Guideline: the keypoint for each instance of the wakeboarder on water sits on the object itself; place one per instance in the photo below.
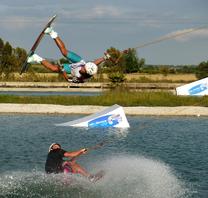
(56, 164)
(78, 71)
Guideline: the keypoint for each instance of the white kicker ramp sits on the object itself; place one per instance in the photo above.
(196, 88)
(113, 116)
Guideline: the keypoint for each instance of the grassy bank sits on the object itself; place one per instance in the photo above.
(120, 97)
(134, 77)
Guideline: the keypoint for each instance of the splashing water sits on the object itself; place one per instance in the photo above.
(126, 176)
(130, 176)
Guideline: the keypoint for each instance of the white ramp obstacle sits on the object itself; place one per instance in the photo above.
(113, 116)
(196, 88)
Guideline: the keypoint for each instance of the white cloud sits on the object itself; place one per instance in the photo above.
(92, 13)
(103, 11)
(19, 22)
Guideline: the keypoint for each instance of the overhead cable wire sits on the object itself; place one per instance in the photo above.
(170, 36)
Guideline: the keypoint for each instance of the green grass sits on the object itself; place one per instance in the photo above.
(121, 97)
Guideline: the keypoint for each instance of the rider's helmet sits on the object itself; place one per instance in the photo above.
(52, 145)
(91, 68)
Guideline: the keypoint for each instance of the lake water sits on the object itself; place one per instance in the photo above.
(158, 157)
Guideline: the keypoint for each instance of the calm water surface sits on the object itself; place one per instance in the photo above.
(158, 157)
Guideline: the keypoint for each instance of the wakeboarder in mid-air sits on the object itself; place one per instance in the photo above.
(77, 71)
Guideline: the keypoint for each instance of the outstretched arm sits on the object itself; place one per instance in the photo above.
(75, 153)
(99, 60)
(102, 59)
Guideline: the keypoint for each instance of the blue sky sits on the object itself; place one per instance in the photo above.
(89, 27)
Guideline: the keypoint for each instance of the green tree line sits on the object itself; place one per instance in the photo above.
(11, 58)
(121, 63)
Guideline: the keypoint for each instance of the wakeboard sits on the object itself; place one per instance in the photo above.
(25, 65)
